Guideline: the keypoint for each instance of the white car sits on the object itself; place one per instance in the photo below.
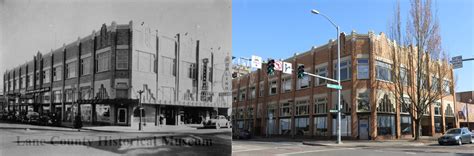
(218, 122)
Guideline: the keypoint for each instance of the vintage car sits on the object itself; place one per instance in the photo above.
(218, 122)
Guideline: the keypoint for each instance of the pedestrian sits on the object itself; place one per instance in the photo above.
(161, 119)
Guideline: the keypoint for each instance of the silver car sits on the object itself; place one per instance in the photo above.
(456, 136)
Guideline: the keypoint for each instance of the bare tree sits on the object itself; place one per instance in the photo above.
(420, 53)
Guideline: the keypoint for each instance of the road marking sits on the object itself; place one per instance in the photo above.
(323, 150)
(410, 153)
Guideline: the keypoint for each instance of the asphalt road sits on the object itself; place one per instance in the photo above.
(244, 148)
(70, 142)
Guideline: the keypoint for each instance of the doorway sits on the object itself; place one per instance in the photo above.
(364, 129)
(122, 116)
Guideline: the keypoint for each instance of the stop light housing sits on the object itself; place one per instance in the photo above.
(271, 67)
(301, 71)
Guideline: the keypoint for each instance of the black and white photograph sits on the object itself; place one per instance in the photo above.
(115, 77)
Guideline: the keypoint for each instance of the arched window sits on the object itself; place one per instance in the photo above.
(385, 105)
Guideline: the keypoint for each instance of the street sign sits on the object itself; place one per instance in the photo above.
(256, 62)
(457, 62)
(287, 69)
(333, 111)
(334, 86)
(279, 65)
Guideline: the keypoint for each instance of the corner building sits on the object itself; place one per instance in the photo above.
(100, 75)
(281, 105)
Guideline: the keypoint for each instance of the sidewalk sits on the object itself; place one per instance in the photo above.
(373, 143)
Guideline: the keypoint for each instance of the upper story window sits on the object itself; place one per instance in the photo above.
(261, 91)
(57, 96)
(242, 94)
(285, 109)
(46, 76)
(273, 87)
(146, 62)
(169, 66)
(252, 92)
(385, 105)
(30, 80)
(23, 82)
(286, 84)
(192, 71)
(437, 108)
(302, 107)
(404, 76)
(405, 105)
(57, 73)
(320, 105)
(345, 70)
(321, 71)
(362, 68)
(434, 83)
(37, 76)
(70, 70)
(363, 104)
(384, 71)
(85, 66)
(446, 87)
(122, 59)
(102, 62)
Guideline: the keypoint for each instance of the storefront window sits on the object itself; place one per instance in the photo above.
(285, 126)
(302, 126)
(302, 107)
(405, 125)
(320, 126)
(103, 112)
(86, 112)
(345, 125)
(285, 109)
(385, 125)
(437, 124)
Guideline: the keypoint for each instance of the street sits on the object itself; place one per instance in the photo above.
(244, 148)
(41, 140)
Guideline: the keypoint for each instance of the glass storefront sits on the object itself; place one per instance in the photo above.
(302, 126)
(405, 125)
(103, 112)
(345, 125)
(385, 124)
(320, 126)
(285, 126)
(86, 112)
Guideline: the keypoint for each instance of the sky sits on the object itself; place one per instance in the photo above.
(27, 27)
(279, 28)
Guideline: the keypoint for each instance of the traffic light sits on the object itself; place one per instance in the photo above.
(301, 71)
(271, 67)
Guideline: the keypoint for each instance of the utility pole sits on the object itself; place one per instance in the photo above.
(140, 109)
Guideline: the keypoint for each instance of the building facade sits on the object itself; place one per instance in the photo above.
(100, 77)
(465, 108)
(283, 105)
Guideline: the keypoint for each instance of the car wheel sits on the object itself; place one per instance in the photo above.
(460, 142)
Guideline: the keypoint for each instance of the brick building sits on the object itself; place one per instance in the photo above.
(100, 75)
(465, 108)
(285, 106)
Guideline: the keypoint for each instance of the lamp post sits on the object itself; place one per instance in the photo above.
(140, 109)
(338, 75)
(467, 114)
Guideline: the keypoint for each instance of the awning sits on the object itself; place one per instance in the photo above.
(108, 101)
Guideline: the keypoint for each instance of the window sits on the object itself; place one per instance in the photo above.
(85, 66)
(145, 62)
(273, 87)
(405, 125)
(384, 71)
(363, 68)
(192, 71)
(102, 62)
(404, 76)
(242, 94)
(434, 83)
(86, 93)
(122, 90)
(363, 104)
(449, 111)
(446, 87)
(437, 108)
(302, 126)
(57, 96)
(285, 109)
(122, 59)
(345, 70)
(69, 95)
(57, 73)
(46, 76)
(302, 107)
(37, 78)
(405, 105)
(320, 126)
(321, 71)
(252, 92)
(286, 84)
(23, 82)
(385, 105)
(385, 124)
(437, 124)
(303, 82)
(30, 80)
(285, 126)
(261, 89)
(71, 70)
(320, 105)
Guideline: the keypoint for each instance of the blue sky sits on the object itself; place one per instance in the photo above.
(280, 28)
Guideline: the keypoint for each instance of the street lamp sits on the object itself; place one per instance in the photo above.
(467, 114)
(140, 109)
(338, 75)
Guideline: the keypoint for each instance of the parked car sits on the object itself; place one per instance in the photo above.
(32, 117)
(456, 136)
(218, 122)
